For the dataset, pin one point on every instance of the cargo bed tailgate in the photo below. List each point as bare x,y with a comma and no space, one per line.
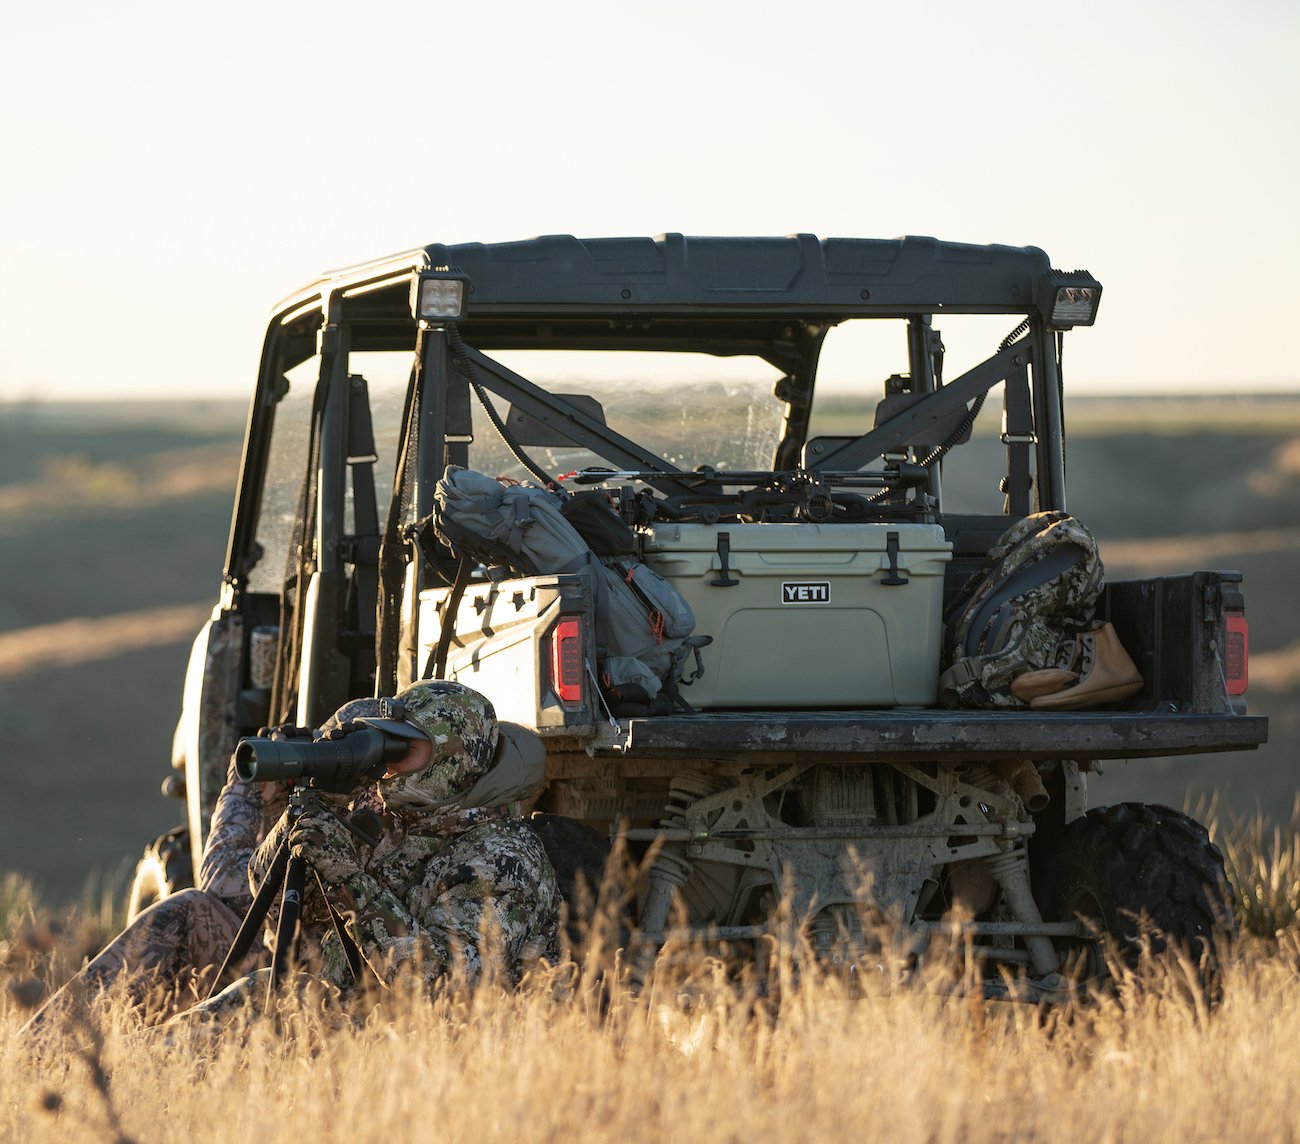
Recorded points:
898,735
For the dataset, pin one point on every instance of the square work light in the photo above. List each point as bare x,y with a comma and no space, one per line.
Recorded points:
1068,298
438,295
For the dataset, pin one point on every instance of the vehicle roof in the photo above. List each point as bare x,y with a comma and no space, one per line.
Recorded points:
798,275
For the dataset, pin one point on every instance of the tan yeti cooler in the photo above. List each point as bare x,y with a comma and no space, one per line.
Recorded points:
809,615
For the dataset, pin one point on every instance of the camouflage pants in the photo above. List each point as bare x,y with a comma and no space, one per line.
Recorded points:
163,962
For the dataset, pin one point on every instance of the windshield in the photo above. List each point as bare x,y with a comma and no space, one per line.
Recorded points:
689,409
862,361
697,410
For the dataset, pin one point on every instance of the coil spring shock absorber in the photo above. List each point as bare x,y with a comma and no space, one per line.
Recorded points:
1010,870
978,775
671,867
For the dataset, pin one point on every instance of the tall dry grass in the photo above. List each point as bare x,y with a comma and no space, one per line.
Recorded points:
697,1056
1263,861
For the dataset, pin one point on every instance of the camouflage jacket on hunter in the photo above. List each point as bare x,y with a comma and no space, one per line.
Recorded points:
444,879
430,892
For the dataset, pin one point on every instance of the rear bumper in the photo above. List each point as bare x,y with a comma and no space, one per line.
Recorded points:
899,735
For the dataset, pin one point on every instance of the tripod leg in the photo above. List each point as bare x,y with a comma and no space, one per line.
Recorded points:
252,923
295,880
349,947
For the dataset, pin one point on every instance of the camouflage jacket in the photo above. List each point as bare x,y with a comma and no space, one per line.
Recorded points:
470,890
245,811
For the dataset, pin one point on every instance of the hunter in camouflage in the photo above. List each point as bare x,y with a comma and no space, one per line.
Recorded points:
445,875
452,880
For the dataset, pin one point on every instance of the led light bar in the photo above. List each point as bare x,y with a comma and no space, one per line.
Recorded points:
1074,306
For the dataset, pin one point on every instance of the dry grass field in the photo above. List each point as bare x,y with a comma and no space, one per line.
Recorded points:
900,1067
693,1056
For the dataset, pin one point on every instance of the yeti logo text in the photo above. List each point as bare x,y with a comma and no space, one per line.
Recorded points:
806,592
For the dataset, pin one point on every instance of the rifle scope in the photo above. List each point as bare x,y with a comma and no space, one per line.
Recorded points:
336,765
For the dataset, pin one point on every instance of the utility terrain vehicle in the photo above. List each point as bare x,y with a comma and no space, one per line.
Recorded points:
793,426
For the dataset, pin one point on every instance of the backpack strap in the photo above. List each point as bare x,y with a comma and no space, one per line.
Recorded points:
599,611
1024,579
523,519
957,678
670,700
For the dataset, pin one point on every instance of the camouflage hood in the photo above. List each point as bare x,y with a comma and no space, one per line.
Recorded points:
462,726
477,764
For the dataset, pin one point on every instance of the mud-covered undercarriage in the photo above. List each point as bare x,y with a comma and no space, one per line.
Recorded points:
739,853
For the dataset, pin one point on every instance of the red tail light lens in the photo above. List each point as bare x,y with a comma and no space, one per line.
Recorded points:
567,660
1236,653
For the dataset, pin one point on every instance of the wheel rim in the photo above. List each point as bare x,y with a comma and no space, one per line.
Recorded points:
1084,959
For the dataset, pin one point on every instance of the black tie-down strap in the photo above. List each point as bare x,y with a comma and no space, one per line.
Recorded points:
362,547
1018,437
436,665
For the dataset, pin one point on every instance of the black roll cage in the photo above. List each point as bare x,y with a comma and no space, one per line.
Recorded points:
367,309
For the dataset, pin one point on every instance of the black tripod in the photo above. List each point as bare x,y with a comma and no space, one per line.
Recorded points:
290,874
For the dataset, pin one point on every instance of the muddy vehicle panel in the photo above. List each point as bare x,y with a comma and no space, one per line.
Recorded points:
784,425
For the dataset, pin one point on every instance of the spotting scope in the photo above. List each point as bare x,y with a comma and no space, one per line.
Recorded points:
335,765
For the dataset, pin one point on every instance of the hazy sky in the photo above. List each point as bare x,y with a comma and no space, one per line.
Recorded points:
172,170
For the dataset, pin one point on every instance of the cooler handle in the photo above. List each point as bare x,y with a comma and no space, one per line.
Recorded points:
723,578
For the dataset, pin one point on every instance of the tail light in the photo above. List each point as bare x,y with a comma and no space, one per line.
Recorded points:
1236,653
567,660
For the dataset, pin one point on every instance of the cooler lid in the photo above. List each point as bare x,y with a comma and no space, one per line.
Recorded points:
778,537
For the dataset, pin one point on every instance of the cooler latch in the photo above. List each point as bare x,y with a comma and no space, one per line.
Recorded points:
723,578
892,578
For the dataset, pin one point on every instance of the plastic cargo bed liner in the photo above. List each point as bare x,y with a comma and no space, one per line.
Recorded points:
897,735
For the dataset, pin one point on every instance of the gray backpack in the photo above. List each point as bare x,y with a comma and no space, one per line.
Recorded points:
1035,591
643,625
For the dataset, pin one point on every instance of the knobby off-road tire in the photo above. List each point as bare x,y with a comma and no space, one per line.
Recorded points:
1140,873
165,868
579,855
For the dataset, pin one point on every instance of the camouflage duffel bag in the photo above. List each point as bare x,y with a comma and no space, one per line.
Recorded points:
1035,591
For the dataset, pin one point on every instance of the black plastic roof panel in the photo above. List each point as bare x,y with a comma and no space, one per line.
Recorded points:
673,271
799,274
